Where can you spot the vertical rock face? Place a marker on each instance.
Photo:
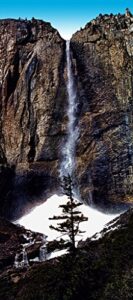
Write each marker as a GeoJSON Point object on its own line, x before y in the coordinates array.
{"type": "Point", "coordinates": [33, 103]}
{"type": "Point", "coordinates": [31, 68]}
{"type": "Point", "coordinates": [104, 56]}
{"type": "Point", "coordinates": [32, 100]}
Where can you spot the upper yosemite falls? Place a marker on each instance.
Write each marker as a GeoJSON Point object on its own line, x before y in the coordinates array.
{"type": "Point", "coordinates": [38, 124]}
{"type": "Point", "coordinates": [66, 158]}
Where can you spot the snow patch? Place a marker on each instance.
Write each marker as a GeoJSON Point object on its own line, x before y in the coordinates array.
{"type": "Point", "coordinates": [38, 219]}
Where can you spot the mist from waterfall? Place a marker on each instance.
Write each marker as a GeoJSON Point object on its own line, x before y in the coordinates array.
{"type": "Point", "coordinates": [39, 218]}
{"type": "Point", "coordinates": [68, 151]}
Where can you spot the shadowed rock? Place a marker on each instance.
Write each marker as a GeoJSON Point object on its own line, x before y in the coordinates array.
{"type": "Point", "coordinates": [104, 56]}
{"type": "Point", "coordinates": [33, 100]}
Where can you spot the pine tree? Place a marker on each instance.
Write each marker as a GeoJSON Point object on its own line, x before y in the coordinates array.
{"type": "Point", "coordinates": [71, 217]}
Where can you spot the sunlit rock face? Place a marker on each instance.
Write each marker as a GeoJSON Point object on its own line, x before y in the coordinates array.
{"type": "Point", "coordinates": [32, 93]}
{"type": "Point", "coordinates": [104, 55]}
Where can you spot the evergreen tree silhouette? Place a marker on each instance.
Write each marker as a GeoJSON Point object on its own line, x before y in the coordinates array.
{"type": "Point", "coordinates": [71, 217]}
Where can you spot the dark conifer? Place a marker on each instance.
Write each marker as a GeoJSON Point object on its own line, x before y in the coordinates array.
{"type": "Point", "coordinates": [71, 217]}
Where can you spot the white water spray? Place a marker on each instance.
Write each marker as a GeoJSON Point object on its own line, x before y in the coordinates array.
{"type": "Point", "coordinates": [21, 263]}
{"type": "Point", "coordinates": [25, 262]}
{"type": "Point", "coordinates": [43, 253]}
{"type": "Point", "coordinates": [68, 152]}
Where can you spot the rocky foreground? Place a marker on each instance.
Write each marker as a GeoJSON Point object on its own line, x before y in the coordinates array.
{"type": "Point", "coordinates": [12, 240]}
{"type": "Point", "coordinates": [102, 268]}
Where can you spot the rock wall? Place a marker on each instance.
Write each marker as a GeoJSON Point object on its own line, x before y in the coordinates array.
{"type": "Point", "coordinates": [104, 55]}
{"type": "Point", "coordinates": [32, 103]}
{"type": "Point", "coordinates": [31, 67]}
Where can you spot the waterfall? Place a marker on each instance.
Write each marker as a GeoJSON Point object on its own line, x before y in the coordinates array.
{"type": "Point", "coordinates": [24, 262]}
{"type": "Point", "coordinates": [43, 255]}
{"type": "Point", "coordinates": [68, 151]}
{"type": "Point", "coordinates": [16, 261]}
{"type": "Point", "coordinates": [21, 262]}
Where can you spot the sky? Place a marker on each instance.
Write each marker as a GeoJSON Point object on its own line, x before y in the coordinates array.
{"type": "Point", "coordinates": [65, 15]}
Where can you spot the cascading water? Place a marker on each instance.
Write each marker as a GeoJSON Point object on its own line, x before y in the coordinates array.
{"type": "Point", "coordinates": [21, 263]}
{"type": "Point", "coordinates": [68, 152]}
{"type": "Point", "coordinates": [51, 207]}
{"type": "Point", "coordinates": [25, 262]}
{"type": "Point", "coordinates": [43, 254]}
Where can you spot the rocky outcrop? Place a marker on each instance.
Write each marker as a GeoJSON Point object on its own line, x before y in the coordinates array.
{"type": "Point", "coordinates": [101, 268]}
{"type": "Point", "coordinates": [13, 239]}
{"type": "Point", "coordinates": [32, 106]}
{"type": "Point", "coordinates": [104, 55]}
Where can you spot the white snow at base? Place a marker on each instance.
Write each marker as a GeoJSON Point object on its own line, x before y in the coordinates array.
{"type": "Point", "coordinates": [38, 219]}
{"type": "Point", "coordinates": [58, 253]}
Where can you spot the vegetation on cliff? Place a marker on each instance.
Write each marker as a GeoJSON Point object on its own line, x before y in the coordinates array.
{"type": "Point", "coordinates": [70, 217]}
{"type": "Point", "coordinates": [101, 269]}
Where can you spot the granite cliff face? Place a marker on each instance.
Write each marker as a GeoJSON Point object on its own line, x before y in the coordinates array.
{"type": "Point", "coordinates": [32, 58]}
{"type": "Point", "coordinates": [32, 106]}
{"type": "Point", "coordinates": [104, 56]}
